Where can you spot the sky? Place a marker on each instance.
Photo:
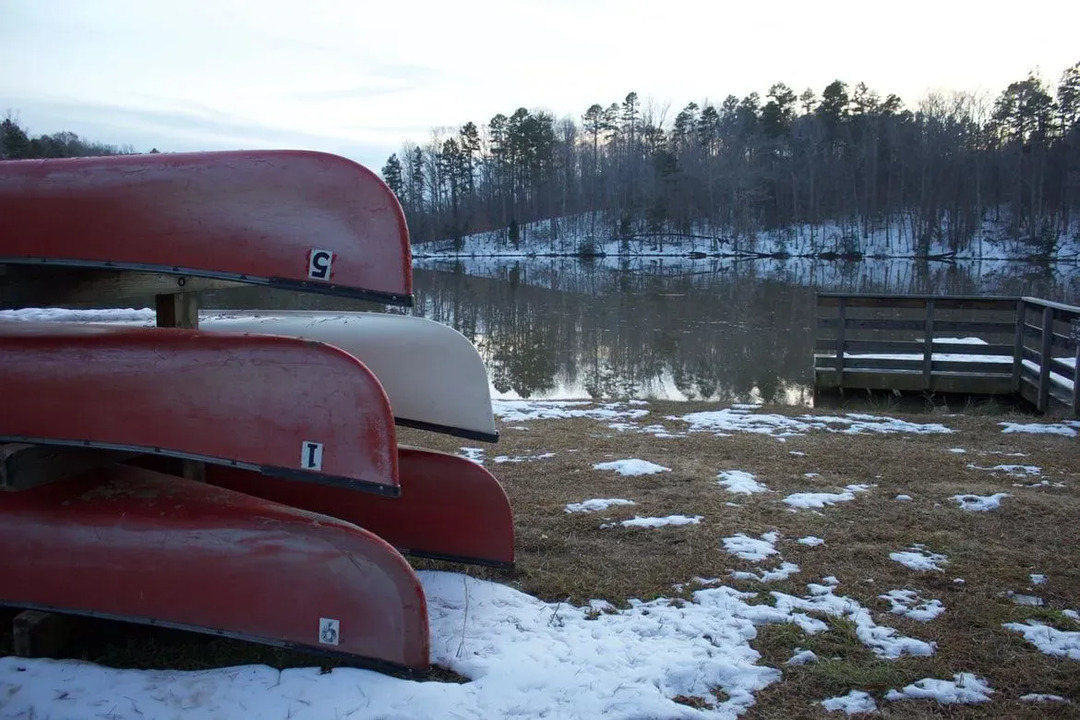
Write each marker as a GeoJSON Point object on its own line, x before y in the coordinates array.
{"type": "Point", "coordinates": [361, 78]}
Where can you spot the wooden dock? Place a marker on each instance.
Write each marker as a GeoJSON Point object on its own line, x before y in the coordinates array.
{"type": "Point", "coordinates": [1019, 346]}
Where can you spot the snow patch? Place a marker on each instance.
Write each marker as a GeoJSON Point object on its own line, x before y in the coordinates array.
{"type": "Point", "coordinates": [516, 411]}
{"type": "Point", "coordinates": [655, 522]}
{"type": "Point", "coordinates": [909, 604]}
{"type": "Point", "coordinates": [596, 505]}
{"type": "Point", "coordinates": [820, 500]}
{"type": "Point", "coordinates": [783, 572]}
{"type": "Point", "coordinates": [632, 467]}
{"type": "Point", "coordinates": [979, 503]}
{"type": "Point", "coordinates": [1067, 428]}
{"type": "Point", "coordinates": [740, 482]}
{"type": "Point", "coordinates": [853, 703]}
{"type": "Point", "coordinates": [781, 426]}
{"type": "Point", "coordinates": [963, 688]}
{"type": "Point", "coordinates": [917, 558]}
{"type": "Point", "coordinates": [748, 548]}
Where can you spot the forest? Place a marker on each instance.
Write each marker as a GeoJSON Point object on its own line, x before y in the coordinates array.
{"type": "Point", "coordinates": [17, 144]}
{"type": "Point", "coordinates": [938, 172]}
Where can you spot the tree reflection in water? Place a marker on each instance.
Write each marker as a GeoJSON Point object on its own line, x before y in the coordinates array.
{"type": "Point", "coordinates": [726, 330]}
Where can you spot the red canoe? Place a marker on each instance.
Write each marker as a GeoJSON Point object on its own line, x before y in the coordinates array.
{"type": "Point", "coordinates": [298, 220]}
{"type": "Point", "coordinates": [131, 544]}
{"type": "Point", "coordinates": [450, 508]}
{"type": "Point", "coordinates": [279, 406]}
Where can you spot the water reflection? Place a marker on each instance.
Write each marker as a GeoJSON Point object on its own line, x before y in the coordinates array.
{"type": "Point", "coordinates": [726, 330]}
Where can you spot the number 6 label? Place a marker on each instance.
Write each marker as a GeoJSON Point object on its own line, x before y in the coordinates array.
{"type": "Point", "coordinates": [320, 264]}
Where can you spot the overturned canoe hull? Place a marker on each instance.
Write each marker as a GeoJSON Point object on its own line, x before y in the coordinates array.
{"type": "Point", "coordinates": [131, 544]}
{"type": "Point", "coordinates": [433, 375]}
{"type": "Point", "coordinates": [290, 219]}
{"type": "Point", "coordinates": [450, 508]}
{"type": "Point", "coordinates": [279, 406]}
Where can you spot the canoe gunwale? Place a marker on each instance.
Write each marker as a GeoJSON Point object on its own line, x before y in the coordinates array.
{"type": "Point", "coordinates": [448, 430]}
{"type": "Point", "coordinates": [277, 283]}
{"type": "Point", "coordinates": [391, 491]}
{"type": "Point", "coordinates": [382, 666]}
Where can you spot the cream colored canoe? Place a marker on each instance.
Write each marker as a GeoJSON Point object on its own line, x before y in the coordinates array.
{"type": "Point", "coordinates": [433, 375]}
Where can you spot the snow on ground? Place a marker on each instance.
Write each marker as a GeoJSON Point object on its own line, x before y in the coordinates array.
{"type": "Point", "coordinates": [1049, 639]}
{"type": "Point", "coordinates": [1037, 578]}
{"type": "Point", "coordinates": [474, 453]}
{"type": "Point", "coordinates": [521, 458]}
{"type": "Point", "coordinates": [740, 482]}
{"type": "Point", "coordinates": [783, 572]}
{"type": "Point", "coordinates": [1068, 428]}
{"type": "Point", "coordinates": [909, 604]}
{"type": "Point", "coordinates": [752, 549]}
{"type": "Point", "coordinates": [903, 498]}
{"type": "Point", "coordinates": [811, 541]}
{"type": "Point", "coordinates": [1042, 697]}
{"type": "Point", "coordinates": [632, 467]}
{"type": "Point", "coordinates": [731, 420]}
{"type": "Point", "coordinates": [523, 657]}
{"type": "Point", "coordinates": [853, 703]}
{"type": "Point", "coordinates": [525, 410]}
{"type": "Point", "coordinates": [126, 316]}
{"type": "Point", "coordinates": [801, 657]}
{"type": "Point", "coordinates": [1014, 470]}
{"type": "Point", "coordinates": [596, 505]}
{"type": "Point", "coordinates": [980, 503]}
{"type": "Point", "coordinates": [963, 688]}
{"type": "Point", "coordinates": [918, 558]}
{"type": "Point", "coordinates": [885, 642]}
{"type": "Point", "coordinates": [1022, 599]}
{"type": "Point", "coordinates": [820, 500]}
{"type": "Point", "coordinates": [655, 522]}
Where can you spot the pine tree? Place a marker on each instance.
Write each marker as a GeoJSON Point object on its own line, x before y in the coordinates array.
{"type": "Point", "coordinates": [391, 173]}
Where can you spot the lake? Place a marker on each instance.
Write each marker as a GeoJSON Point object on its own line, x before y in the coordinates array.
{"type": "Point", "coordinates": [730, 330]}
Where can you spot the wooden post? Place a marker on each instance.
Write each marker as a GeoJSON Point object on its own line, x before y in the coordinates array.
{"type": "Point", "coordinates": [1018, 346]}
{"type": "Point", "coordinates": [1045, 357]}
{"type": "Point", "coordinates": [39, 634]}
{"type": "Point", "coordinates": [840, 331]}
{"type": "Point", "coordinates": [928, 345]}
{"type": "Point", "coordinates": [181, 310]}
{"type": "Point", "coordinates": [177, 310]}
{"type": "Point", "coordinates": [1075, 334]}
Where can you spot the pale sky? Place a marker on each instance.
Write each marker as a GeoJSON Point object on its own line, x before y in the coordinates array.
{"type": "Point", "coordinates": [360, 77]}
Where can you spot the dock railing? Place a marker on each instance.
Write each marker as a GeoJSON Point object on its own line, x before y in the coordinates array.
{"type": "Point", "coordinates": [949, 344]}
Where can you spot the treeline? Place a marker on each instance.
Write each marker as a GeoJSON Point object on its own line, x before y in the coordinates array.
{"type": "Point", "coordinates": [17, 144]}
{"type": "Point", "coordinates": [934, 173]}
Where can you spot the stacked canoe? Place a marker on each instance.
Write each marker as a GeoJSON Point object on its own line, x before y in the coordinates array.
{"type": "Point", "coordinates": [239, 474]}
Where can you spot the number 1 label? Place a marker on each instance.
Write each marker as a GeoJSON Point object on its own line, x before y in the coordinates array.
{"type": "Point", "coordinates": [311, 455]}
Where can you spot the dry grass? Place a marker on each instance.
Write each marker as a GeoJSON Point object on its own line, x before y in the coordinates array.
{"type": "Point", "coordinates": [568, 556]}
{"type": "Point", "coordinates": [564, 556]}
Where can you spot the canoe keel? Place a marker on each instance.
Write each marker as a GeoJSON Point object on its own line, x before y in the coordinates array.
{"type": "Point", "coordinates": [129, 543]}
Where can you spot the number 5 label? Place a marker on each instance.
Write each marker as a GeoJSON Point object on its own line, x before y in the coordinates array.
{"type": "Point", "coordinates": [320, 264]}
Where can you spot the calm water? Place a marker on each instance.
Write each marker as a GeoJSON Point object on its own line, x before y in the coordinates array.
{"type": "Point", "coordinates": [732, 331]}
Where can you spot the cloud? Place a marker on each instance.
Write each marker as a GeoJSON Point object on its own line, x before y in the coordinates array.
{"type": "Point", "coordinates": [193, 128]}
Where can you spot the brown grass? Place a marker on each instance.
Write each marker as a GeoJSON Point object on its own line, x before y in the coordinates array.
{"type": "Point", "coordinates": [569, 557]}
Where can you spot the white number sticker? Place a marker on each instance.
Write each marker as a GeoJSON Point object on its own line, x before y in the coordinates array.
{"type": "Point", "coordinates": [329, 631]}
{"type": "Point", "coordinates": [311, 455]}
{"type": "Point", "coordinates": [320, 264]}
